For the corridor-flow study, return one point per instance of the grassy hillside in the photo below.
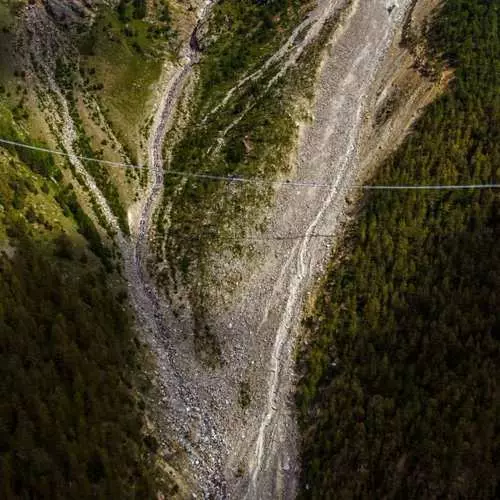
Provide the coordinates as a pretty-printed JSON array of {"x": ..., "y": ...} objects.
[
  {"x": 121, "y": 60},
  {"x": 106, "y": 67},
  {"x": 399, "y": 396}
]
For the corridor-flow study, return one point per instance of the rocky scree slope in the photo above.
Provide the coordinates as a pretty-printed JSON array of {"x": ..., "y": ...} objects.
[{"x": 236, "y": 283}]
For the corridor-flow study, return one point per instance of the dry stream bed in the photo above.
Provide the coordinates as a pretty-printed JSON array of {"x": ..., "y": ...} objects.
[{"x": 252, "y": 452}]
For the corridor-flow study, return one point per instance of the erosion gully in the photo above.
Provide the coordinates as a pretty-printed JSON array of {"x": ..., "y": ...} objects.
[
  {"x": 328, "y": 153},
  {"x": 260, "y": 323}
]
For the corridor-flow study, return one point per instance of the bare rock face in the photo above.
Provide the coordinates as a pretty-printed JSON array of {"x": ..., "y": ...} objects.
[{"x": 71, "y": 12}]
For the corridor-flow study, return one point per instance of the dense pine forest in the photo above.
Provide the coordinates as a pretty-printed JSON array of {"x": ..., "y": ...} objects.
[
  {"x": 400, "y": 394},
  {"x": 70, "y": 426}
]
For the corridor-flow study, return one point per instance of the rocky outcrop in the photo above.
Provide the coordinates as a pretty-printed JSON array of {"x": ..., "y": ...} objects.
[
  {"x": 69, "y": 12},
  {"x": 73, "y": 12}
]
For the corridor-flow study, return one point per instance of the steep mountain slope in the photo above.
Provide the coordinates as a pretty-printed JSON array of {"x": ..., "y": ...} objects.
[
  {"x": 399, "y": 396},
  {"x": 71, "y": 417},
  {"x": 264, "y": 92},
  {"x": 236, "y": 258},
  {"x": 73, "y": 389}
]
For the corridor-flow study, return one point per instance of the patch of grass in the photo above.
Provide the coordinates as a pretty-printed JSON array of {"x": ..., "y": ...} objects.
[
  {"x": 9, "y": 11},
  {"x": 43, "y": 208},
  {"x": 123, "y": 56},
  {"x": 39, "y": 162}
]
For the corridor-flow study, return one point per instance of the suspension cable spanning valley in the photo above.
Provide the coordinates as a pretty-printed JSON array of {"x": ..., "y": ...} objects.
[{"x": 249, "y": 180}]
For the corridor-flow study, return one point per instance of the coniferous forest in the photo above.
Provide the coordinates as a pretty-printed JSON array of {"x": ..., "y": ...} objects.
[
  {"x": 70, "y": 426},
  {"x": 400, "y": 388},
  {"x": 71, "y": 386}
]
